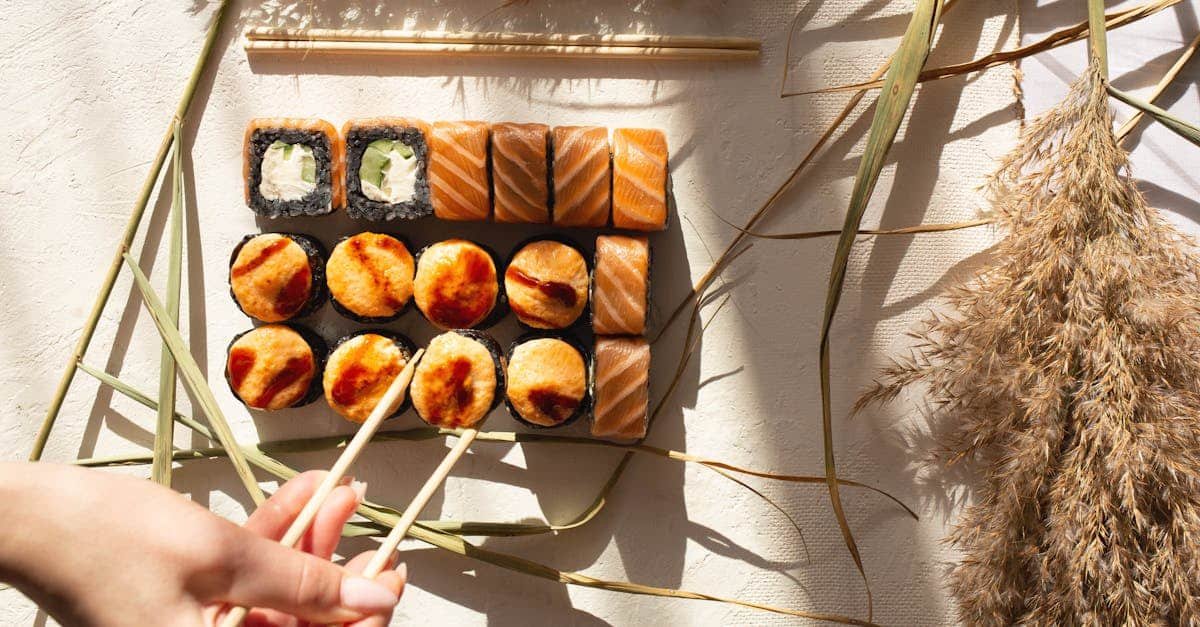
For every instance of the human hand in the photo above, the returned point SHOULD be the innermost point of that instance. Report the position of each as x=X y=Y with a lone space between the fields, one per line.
x=99 y=549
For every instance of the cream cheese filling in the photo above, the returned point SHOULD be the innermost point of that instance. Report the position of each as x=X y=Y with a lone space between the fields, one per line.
x=398 y=182
x=288 y=172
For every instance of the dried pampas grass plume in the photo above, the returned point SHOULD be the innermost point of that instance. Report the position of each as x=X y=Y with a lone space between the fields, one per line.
x=1067 y=373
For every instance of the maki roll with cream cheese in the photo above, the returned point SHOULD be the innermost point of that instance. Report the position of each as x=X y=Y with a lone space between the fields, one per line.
x=275 y=366
x=386 y=176
x=546 y=381
x=621 y=285
x=459 y=380
x=546 y=283
x=370 y=277
x=457 y=285
x=361 y=369
x=277 y=276
x=621 y=388
x=292 y=167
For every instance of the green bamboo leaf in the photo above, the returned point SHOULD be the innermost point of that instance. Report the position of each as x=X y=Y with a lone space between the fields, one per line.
x=1184 y=129
x=194 y=378
x=164 y=432
x=131 y=229
x=890 y=110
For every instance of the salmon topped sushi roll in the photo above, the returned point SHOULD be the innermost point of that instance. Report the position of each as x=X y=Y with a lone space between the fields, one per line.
x=639 y=184
x=386 y=168
x=459 y=188
x=546 y=383
x=459 y=380
x=520 y=172
x=370 y=277
x=277 y=276
x=621 y=388
x=292 y=167
x=546 y=283
x=621 y=285
x=457 y=285
x=275 y=366
x=361 y=369
x=582 y=176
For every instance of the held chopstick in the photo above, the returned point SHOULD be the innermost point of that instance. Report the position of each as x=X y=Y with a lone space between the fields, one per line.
x=387 y=405
x=495 y=50
x=542 y=39
x=380 y=559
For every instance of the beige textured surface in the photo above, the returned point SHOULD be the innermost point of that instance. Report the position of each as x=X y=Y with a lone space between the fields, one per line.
x=86 y=92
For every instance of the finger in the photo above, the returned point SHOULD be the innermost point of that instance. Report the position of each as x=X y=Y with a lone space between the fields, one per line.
x=267 y=575
x=393 y=579
x=273 y=517
x=326 y=531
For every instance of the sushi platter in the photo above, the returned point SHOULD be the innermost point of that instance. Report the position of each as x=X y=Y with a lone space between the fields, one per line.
x=582 y=311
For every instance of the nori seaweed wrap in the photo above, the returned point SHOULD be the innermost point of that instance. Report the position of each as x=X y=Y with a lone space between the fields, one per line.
x=275 y=366
x=275 y=277
x=547 y=381
x=361 y=369
x=292 y=167
x=386 y=168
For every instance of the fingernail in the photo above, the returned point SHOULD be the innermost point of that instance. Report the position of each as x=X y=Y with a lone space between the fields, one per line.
x=360 y=490
x=364 y=595
x=346 y=480
x=402 y=570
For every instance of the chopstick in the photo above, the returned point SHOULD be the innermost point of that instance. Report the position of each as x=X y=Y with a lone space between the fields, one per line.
x=528 y=45
x=386 y=406
x=379 y=561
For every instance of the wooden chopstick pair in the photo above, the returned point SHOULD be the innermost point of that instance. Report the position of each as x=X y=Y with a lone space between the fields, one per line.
x=535 y=45
x=387 y=405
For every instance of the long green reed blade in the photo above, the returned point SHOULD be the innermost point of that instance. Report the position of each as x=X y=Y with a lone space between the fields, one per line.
x=890 y=110
x=1168 y=77
x=131 y=229
x=1184 y=129
x=194 y=378
x=164 y=431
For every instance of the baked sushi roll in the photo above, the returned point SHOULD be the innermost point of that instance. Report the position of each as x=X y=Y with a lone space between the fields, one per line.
x=275 y=366
x=370 y=277
x=459 y=380
x=292 y=167
x=361 y=369
x=457 y=285
x=546 y=284
x=639 y=179
x=386 y=168
x=521 y=173
x=459 y=188
x=277 y=276
x=546 y=381
x=621 y=285
x=621 y=388
x=582 y=176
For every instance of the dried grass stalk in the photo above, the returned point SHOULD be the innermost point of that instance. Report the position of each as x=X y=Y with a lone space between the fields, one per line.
x=1067 y=374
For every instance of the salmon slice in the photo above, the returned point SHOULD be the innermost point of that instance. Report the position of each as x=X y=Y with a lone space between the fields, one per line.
x=519 y=180
x=582 y=176
x=621 y=282
x=622 y=388
x=639 y=179
x=458 y=170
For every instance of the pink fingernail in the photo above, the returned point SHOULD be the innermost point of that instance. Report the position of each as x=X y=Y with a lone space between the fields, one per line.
x=402 y=570
x=364 y=595
x=360 y=490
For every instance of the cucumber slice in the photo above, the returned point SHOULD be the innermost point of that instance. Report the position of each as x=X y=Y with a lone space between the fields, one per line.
x=375 y=158
x=308 y=166
x=405 y=150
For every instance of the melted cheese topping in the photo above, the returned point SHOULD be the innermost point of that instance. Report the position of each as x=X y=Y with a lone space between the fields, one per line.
x=456 y=285
x=271 y=278
x=455 y=382
x=547 y=380
x=283 y=172
x=358 y=373
x=547 y=284
x=399 y=181
x=271 y=367
x=371 y=274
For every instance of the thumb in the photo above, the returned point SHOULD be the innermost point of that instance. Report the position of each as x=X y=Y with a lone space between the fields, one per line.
x=273 y=576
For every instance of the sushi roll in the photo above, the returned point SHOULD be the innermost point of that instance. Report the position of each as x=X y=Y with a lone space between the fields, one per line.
x=459 y=188
x=621 y=285
x=546 y=383
x=639 y=185
x=582 y=176
x=361 y=369
x=386 y=168
x=520 y=172
x=370 y=277
x=292 y=167
x=457 y=285
x=277 y=276
x=459 y=380
x=546 y=284
x=275 y=366
x=621 y=388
